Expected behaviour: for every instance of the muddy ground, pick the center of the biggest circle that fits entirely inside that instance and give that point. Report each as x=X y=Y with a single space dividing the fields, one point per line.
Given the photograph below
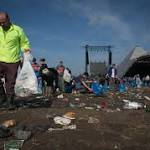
x=101 y=122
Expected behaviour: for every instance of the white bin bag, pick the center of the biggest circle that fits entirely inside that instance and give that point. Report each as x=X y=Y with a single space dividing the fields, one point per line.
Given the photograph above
x=26 y=82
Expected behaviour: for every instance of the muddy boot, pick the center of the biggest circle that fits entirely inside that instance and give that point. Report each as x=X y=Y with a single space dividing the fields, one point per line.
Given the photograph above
x=10 y=102
x=2 y=100
x=2 y=94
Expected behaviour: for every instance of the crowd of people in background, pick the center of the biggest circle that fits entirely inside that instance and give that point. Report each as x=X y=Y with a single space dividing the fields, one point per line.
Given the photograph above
x=60 y=79
x=50 y=79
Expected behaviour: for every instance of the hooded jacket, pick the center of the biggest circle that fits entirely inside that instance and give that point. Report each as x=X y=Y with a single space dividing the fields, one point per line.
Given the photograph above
x=12 y=42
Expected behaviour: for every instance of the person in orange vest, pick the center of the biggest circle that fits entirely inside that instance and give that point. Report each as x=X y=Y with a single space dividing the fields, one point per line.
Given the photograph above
x=60 y=69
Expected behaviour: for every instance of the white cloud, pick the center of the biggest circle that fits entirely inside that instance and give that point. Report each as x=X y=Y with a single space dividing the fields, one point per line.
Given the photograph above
x=100 y=17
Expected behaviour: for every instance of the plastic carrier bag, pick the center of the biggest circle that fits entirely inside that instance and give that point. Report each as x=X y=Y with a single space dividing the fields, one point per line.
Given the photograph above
x=97 y=88
x=67 y=76
x=26 y=82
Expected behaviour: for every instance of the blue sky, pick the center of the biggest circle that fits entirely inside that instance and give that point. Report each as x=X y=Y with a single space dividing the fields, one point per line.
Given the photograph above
x=58 y=29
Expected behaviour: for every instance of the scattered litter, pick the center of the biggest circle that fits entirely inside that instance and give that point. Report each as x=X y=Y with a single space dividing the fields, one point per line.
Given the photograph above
x=39 y=97
x=132 y=105
x=104 y=104
x=98 y=106
x=118 y=109
x=13 y=145
x=93 y=120
x=69 y=115
x=115 y=147
x=60 y=96
x=82 y=105
x=62 y=120
x=147 y=98
x=77 y=99
x=9 y=123
x=89 y=108
x=109 y=110
x=72 y=105
x=71 y=127
x=55 y=129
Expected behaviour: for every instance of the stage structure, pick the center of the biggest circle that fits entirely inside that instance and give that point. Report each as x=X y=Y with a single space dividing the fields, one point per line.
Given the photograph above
x=89 y=49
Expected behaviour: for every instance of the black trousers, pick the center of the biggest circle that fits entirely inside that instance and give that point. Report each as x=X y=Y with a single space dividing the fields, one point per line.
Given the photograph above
x=9 y=72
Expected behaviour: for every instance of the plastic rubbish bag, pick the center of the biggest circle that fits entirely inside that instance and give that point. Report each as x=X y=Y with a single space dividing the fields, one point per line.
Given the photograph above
x=62 y=120
x=122 y=88
x=97 y=88
x=26 y=83
x=67 y=76
x=132 y=105
x=28 y=56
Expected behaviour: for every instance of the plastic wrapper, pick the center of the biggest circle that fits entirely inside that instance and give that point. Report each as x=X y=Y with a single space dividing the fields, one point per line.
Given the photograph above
x=13 y=145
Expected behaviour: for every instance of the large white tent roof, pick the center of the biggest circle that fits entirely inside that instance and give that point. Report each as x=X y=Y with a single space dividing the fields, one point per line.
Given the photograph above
x=129 y=60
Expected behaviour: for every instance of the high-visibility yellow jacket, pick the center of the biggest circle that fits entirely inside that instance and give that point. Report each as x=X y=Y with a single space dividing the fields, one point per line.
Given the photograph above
x=12 y=42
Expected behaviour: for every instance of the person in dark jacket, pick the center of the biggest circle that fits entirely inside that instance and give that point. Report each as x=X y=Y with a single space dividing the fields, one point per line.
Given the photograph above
x=112 y=72
x=112 y=76
x=49 y=79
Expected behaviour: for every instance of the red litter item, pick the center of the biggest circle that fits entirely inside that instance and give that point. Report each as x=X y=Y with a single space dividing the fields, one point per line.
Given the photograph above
x=103 y=104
